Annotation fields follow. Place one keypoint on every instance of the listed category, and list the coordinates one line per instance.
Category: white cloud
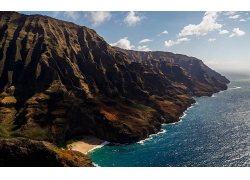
(237, 32)
(242, 20)
(207, 24)
(223, 32)
(164, 32)
(211, 39)
(145, 40)
(123, 43)
(234, 17)
(98, 17)
(131, 19)
(230, 13)
(171, 43)
(71, 14)
(143, 48)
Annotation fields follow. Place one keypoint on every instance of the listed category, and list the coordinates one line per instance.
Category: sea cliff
(59, 80)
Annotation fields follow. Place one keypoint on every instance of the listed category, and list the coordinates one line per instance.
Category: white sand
(87, 143)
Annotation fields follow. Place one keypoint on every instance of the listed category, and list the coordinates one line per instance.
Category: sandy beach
(87, 143)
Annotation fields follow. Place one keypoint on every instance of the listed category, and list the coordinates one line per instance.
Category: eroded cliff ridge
(192, 65)
(59, 80)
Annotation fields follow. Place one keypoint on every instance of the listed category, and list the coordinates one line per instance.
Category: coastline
(87, 144)
(167, 124)
(171, 149)
(90, 142)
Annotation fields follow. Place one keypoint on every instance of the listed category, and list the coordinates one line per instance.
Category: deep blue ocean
(214, 132)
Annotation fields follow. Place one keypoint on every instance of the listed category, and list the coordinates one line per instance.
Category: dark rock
(22, 152)
(192, 65)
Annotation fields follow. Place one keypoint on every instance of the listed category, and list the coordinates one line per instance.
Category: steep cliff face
(198, 82)
(59, 80)
(22, 152)
(192, 65)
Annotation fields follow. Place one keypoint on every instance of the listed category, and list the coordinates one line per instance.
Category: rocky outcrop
(59, 80)
(22, 152)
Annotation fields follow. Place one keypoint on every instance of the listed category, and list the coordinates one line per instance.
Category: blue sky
(219, 38)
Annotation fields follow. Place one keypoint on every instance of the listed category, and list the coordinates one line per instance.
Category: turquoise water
(215, 131)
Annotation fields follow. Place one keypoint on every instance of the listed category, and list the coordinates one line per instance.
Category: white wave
(96, 165)
(99, 146)
(169, 124)
(161, 132)
(184, 114)
(151, 136)
(143, 141)
(213, 95)
(222, 91)
(234, 87)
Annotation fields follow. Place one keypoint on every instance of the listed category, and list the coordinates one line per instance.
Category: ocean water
(214, 132)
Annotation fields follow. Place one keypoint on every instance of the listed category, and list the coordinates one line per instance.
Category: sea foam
(184, 114)
(96, 165)
(168, 124)
(151, 136)
(234, 87)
